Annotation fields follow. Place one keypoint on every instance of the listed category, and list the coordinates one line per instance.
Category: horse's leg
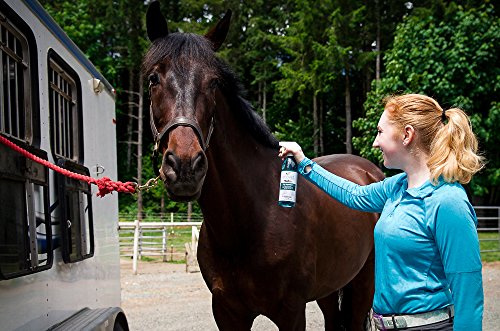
(230, 315)
(358, 296)
(330, 308)
(290, 319)
(356, 301)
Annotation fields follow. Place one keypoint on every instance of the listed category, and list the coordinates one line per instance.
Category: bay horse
(255, 256)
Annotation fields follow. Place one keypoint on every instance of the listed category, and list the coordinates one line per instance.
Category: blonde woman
(427, 261)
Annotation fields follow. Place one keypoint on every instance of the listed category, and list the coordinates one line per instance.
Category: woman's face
(390, 142)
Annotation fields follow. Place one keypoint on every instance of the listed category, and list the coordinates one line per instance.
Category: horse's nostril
(198, 162)
(172, 160)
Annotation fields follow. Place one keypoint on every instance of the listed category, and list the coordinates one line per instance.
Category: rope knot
(106, 185)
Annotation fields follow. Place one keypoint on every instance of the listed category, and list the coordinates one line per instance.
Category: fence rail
(488, 219)
(178, 239)
(158, 239)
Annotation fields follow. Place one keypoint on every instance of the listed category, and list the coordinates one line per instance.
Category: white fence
(177, 239)
(171, 241)
(488, 219)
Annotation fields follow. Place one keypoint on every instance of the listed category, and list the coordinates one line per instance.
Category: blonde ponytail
(445, 136)
(453, 152)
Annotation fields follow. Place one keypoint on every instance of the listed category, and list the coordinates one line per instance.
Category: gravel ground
(162, 296)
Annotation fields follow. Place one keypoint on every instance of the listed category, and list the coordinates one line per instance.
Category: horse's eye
(154, 79)
(214, 84)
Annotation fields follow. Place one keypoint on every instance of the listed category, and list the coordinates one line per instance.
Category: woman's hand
(291, 147)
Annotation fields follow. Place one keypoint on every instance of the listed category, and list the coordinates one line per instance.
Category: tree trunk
(264, 101)
(315, 125)
(348, 114)
(377, 62)
(321, 142)
(259, 94)
(139, 148)
(130, 118)
(189, 211)
(162, 206)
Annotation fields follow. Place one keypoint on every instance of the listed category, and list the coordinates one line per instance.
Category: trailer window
(15, 92)
(65, 113)
(75, 214)
(66, 142)
(25, 229)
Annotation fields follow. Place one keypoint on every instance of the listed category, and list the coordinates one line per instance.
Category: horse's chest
(257, 287)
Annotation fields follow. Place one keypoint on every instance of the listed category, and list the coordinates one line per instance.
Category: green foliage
(290, 53)
(455, 60)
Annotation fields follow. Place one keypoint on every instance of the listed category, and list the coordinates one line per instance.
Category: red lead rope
(105, 185)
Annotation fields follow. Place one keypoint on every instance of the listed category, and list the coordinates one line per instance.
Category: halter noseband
(175, 122)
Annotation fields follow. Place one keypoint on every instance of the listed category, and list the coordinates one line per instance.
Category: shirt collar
(425, 190)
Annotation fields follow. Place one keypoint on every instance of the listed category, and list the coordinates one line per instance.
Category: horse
(256, 257)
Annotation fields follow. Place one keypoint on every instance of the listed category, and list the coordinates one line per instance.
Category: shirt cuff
(303, 164)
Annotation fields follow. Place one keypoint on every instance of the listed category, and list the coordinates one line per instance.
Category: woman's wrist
(299, 156)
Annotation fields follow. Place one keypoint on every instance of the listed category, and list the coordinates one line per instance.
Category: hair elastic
(443, 117)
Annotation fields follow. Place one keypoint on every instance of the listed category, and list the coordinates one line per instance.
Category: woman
(427, 261)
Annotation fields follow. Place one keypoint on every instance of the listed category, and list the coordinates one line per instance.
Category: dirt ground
(163, 296)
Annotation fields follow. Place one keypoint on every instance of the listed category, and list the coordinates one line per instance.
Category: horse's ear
(218, 33)
(156, 24)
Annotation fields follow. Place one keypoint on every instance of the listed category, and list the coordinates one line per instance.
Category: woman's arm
(458, 244)
(370, 198)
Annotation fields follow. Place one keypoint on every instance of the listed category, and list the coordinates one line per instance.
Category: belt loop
(394, 322)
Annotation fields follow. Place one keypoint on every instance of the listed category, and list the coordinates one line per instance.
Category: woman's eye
(154, 79)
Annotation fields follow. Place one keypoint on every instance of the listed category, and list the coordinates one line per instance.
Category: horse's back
(351, 167)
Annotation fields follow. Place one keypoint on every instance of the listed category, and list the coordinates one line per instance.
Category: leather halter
(171, 125)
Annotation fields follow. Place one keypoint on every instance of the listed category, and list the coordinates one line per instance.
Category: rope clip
(149, 184)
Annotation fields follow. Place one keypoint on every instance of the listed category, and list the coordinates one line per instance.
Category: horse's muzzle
(183, 177)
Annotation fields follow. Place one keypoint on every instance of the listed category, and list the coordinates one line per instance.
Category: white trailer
(59, 252)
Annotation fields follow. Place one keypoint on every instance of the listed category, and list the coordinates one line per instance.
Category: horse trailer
(59, 251)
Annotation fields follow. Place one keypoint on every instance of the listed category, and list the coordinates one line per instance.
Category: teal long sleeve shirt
(426, 244)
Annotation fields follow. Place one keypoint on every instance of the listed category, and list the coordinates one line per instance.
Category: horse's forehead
(186, 68)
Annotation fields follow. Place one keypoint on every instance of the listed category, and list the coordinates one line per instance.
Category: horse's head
(183, 78)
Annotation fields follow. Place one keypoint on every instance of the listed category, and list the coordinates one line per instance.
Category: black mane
(180, 48)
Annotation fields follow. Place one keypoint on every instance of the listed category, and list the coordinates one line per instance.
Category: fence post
(164, 243)
(498, 227)
(172, 221)
(136, 247)
(139, 243)
(194, 239)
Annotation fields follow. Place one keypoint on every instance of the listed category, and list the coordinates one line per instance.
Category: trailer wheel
(120, 323)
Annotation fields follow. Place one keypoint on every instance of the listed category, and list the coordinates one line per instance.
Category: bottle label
(288, 184)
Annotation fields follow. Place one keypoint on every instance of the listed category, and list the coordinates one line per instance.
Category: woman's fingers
(291, 147)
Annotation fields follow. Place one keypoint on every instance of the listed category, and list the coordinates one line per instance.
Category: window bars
(15, 108)
(63, 114)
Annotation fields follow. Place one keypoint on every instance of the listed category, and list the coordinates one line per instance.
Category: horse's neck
(240, 186)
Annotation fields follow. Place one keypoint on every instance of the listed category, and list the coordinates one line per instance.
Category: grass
(489, 241)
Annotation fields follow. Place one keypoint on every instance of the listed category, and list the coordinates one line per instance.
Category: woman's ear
(409, 134)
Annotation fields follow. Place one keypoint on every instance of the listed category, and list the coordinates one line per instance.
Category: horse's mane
(179, 48)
